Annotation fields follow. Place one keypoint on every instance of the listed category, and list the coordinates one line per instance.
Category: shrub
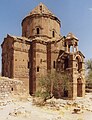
(89, 73)
(53, 84)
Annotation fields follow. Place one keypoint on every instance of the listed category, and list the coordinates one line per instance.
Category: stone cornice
(20, 49)
(45, 37)
(40, 50)
(41, 15)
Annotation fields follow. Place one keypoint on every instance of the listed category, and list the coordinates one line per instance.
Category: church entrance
(79, 87)
(65, 93)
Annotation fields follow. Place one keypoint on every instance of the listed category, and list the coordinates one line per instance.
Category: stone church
(41, 48)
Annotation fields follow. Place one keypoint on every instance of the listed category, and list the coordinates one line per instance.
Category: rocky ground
(23, 107)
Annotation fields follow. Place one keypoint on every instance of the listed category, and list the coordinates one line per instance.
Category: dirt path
(16, 109)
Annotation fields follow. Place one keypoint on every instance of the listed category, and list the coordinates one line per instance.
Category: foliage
(89, 73)
(52, 84)
(89, 64)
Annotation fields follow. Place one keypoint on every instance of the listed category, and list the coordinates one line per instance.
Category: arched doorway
(79, 87)
(65, 93)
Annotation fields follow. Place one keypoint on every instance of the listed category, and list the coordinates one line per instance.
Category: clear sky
(75, 16)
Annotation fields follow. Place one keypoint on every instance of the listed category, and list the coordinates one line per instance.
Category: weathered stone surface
(10, 86)
(42, 48)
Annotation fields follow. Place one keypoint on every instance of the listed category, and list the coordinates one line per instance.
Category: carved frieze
(21, 49)
(40, 50)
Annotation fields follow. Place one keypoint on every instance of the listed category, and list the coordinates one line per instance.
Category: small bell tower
(71, 43)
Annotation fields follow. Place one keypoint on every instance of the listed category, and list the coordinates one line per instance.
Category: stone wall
(21, 61)
(7, 57)
(9, 86)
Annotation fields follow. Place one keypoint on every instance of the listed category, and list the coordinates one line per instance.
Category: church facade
(41, 48)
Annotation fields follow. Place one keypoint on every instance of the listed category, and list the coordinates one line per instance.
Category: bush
(89, 73)
(52, 85)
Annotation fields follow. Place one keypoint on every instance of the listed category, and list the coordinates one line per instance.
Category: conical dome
(41, 22)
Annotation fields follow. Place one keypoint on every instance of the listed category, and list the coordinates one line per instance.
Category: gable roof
(15, 38)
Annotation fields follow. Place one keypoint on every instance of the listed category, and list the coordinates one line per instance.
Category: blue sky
(75, 16)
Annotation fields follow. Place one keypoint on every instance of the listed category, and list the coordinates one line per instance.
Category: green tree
(89, 64)
(89, 73)
(53, 84)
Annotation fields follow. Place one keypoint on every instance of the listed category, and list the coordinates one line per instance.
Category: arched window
(11, 89)
(37, 68)
(54, 64)
(71, 49)
(66, 62)
(38, 31)
(41, 61)
(53, 33)
(41, 8)
(78, 64)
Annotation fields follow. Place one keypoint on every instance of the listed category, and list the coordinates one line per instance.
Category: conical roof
(71, 36)
(41, 8)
